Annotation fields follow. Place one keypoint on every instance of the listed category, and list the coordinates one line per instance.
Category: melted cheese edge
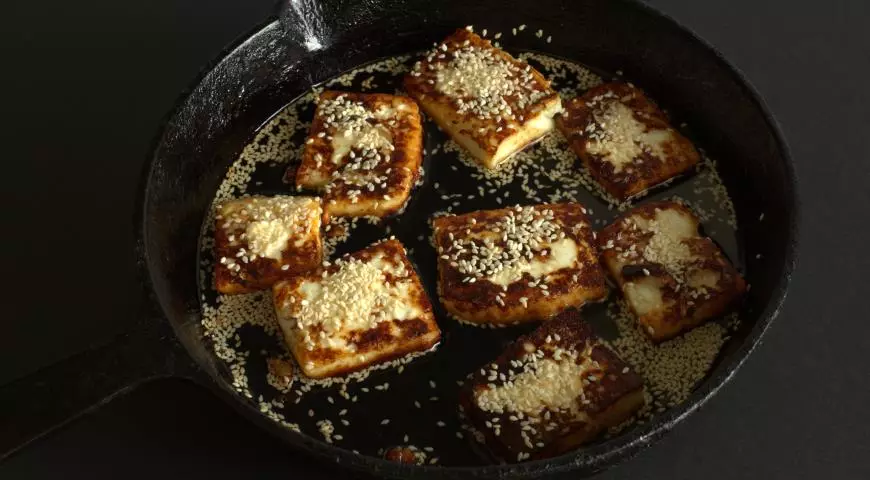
(563, 254)
(533, 129)
(621, 138)
(268, 238)
(356, 298)
(555, 384)
(378, 135)
(272, 230)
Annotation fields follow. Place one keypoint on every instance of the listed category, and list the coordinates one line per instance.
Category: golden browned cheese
(363, 152)
(560, 271)
(237, 271)
(367, 308)
(673, 279)
(489, 102)
(624, 139)
(550, 392)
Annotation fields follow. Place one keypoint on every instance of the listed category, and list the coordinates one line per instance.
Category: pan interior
(266, 70)
(414, 403)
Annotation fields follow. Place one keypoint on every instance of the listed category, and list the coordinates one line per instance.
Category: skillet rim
(589, 459)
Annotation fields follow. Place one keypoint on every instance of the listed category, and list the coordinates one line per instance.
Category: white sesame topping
(553, 383)
(485, 83)
(355, 297)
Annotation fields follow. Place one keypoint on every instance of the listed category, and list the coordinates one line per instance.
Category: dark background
(84, 87)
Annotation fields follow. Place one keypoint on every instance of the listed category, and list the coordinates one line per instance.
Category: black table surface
(86, 83)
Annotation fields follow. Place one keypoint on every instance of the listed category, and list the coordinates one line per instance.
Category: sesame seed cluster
(264, 225)
(520, 235)
(537, 382)
(369, 132)
(356, 296)
(617, 135)
(482, 81)
(672, 369)
(664, 245)
(398, 399)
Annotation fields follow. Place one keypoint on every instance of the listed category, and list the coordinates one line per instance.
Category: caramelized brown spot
(400, 455)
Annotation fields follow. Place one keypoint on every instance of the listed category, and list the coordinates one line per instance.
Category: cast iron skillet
(310, 43)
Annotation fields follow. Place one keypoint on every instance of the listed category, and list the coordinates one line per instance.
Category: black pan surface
(314, 42)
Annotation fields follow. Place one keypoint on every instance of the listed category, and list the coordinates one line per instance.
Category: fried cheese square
(517, 264)
(365, 308)
(625, 140)
(489, 102)
(673, 279)
(364, 152)
(550, 392)
(260, 240)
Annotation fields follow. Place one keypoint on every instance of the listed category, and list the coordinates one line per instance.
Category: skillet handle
(35, 405)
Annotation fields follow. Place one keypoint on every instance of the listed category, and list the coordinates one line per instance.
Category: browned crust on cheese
(414, 334)
(614, 396)
(401, 171)
(647, 170)
(680, 315)
(261, 273)
(475, 302)
(489, 141)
